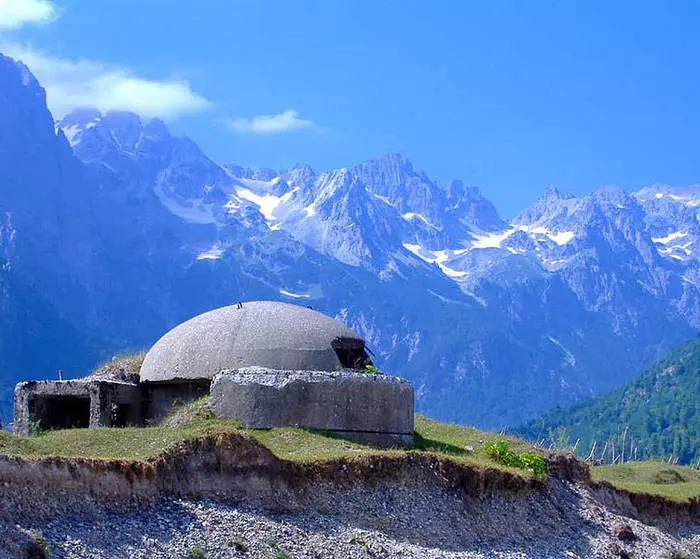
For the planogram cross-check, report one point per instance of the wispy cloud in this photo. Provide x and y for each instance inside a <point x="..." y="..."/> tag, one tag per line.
<point x="286" y="121"/>
<point x="17" y="13"/>
<point x="71" y="84"/>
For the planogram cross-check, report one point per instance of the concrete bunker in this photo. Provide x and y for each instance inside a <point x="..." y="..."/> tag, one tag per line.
<point x="42" y="405"/>
<point x="62" y="412"/>
<point x="267" y="364"/>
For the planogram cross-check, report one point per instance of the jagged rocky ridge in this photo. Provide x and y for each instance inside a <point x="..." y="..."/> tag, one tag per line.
<point x="116" y="231"/>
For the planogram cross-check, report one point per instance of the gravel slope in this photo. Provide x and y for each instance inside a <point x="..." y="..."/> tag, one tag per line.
<point x="565" y="521"/>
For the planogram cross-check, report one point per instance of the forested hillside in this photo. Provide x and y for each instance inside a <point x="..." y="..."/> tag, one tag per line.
<point x="659" y="410"/>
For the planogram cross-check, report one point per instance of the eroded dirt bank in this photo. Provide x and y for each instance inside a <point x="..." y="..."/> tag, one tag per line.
<point x="413" y="505"/>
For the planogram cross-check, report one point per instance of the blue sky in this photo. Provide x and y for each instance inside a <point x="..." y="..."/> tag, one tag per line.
<point x="508" y="96"/>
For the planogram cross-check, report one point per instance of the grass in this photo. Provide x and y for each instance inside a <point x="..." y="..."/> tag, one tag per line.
<point x="129" y="442"/>
<point x="657" y="478"/>
<point x="460" y="443"/>
<point x="464" y="444"/>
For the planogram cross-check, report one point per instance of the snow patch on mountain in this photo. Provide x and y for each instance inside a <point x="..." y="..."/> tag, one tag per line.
<point x="410" y="216"/>
<point x="686" y="279"/>
<point x="492" y="240"/>
<point x="213" y="253"/>
<point x="439" y="257"/>
<point x="190" y="210"/>
<point x="670" y="237"/>
<point x="570" y="359"/>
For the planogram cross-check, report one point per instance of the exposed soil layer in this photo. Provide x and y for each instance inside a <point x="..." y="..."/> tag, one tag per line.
<point x="501" y="509"/>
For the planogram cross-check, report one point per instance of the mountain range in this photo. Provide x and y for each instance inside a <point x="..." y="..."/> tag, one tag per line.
<point x="112" y="231"/>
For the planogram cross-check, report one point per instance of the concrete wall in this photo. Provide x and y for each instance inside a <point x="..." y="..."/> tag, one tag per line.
<point x="35" y="401"/>
<point x="377" y="409"/>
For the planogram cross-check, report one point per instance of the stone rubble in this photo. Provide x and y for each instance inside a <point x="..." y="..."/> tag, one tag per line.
<point x="360" y="523"/>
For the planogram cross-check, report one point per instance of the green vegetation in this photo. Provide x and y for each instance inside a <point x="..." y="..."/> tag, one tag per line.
<point x="500" y="451"/>
<point x="197" y="552"/>
<point x="124" y="366"/>
<point x="129" y="442"/>
<point x="238" y="544"/>
<point x="290" y="443"/>
<point x="193" y="420"/>
<point x="280" y="553"/>
<point x="660" y="409"/>
<point x="657" y="478"/>
<point x="676" y="554"/>
<point x="42" y="543"/>
<point x="459" y="443"/>
<point x="370" y="370"/>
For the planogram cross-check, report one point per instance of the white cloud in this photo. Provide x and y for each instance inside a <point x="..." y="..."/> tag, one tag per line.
<point x="273" y="124"/>
<point x="16" y="13"/>
<point x="71" y="84"/>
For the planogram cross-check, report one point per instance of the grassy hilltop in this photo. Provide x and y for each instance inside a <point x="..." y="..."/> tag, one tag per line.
<point x="459" y="443"/>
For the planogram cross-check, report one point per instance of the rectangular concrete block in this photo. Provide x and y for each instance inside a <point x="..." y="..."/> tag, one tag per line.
<point x="345" y="401"/>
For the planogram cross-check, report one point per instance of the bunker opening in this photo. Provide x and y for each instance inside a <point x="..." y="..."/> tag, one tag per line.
<point x="122" y="415"/>
<point x="351" y="353"/>
<point x="61" y="412"/>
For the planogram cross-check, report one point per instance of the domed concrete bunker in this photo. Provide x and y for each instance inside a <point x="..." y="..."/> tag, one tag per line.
<point x="260" y="333"/>
<point x="264" y="363"/>
<point x="272" y="364"/>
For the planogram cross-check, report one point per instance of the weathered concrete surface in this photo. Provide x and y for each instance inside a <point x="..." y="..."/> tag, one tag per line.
<point x="260" y="333"/>
<point x="103" y="398"/>
<point x="376" y="409"/>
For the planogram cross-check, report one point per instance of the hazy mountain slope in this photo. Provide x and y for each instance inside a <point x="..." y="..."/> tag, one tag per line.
<point x="43" y="249"/>
<point x="660" y="408"/>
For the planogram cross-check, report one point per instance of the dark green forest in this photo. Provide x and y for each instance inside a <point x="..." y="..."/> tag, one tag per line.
<point x="655" y="414"/>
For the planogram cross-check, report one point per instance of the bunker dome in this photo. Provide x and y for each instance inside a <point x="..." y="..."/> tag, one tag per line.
<point x="260" y="333"/>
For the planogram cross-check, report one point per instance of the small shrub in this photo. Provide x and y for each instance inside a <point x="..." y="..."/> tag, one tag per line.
<point x="238" y="544"/>
<point x="197" y="552"/>
<point x="370" y="370"/>
<point x="40" y="546"/>
<point x="501" y="452"/>
<point x="533" y="462"/>
<point x="359" y="541"/>
<point x="676" y="554"/>
<point x="279" y="552"/>
<point x="35" y="427"/>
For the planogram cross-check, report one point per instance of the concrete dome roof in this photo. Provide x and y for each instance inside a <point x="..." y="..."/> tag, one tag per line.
<point x="260" y="333"/>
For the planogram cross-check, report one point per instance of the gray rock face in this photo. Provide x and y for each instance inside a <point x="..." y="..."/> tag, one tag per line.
<point x="377" y="409"/>
<point x="260" y="333"/>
